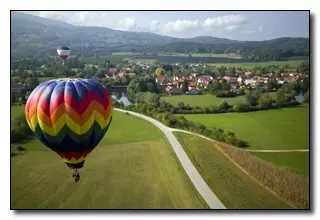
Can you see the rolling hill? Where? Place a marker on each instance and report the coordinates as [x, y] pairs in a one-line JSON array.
[[33, 36]]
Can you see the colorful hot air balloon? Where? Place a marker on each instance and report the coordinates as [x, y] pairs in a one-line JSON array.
[[70, 116], [63, 52]]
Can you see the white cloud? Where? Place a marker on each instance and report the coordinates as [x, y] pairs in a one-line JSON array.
[[227, 20], [128, 23], [180, 25], [227, 23], [231, 27], [252, 31], [154, 25], [83, 15]]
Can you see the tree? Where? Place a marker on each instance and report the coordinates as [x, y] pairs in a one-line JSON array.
[[159, 71], [272, 84], [265, 102], [221, 71], [305, 84], [31, 83], [225, 86], [150, 87], [233, 70], [289, 87], [185, 86], [223, 106], [181, 105], [306, 97], [253, 97]]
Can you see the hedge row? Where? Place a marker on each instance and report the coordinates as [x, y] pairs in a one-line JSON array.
[[170, 120]]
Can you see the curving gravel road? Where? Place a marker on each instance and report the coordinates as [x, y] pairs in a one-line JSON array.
[[204, 190]]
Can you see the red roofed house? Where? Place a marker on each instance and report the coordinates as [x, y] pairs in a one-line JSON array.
[[226, 78], [160, 79], [192, 84], [113, 70], [203, 82], [173, 90], [121, 75], [248, 73]]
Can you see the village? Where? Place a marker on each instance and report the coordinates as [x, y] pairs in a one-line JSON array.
[[198, 81], [172, 84]]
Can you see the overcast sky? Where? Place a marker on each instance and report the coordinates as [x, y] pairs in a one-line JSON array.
[[237, 25]]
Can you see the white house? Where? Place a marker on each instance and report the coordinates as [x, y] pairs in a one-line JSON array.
[[250, 81]]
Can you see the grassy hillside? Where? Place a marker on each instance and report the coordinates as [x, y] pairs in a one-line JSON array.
[[232, 186], [286, 128], [133, 167], [206, 100]]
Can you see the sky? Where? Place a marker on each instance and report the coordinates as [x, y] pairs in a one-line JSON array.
[[236, 25]]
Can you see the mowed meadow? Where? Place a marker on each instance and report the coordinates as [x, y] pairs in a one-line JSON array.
[[286, 128], [133, 167], [277, 129], [232, 186], [206, 100]]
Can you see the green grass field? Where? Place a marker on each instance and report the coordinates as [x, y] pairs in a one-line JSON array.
[[101, 59], [122, 53], [232, 186], [297, 162], [148, 61], [205, 100], [286, 128], [134, 167], [293, 64], [230, 55], [16, 110]]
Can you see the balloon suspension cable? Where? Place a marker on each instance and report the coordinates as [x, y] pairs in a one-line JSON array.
[[75, 172]]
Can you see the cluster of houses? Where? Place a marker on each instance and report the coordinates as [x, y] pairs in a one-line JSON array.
[[173, 85]]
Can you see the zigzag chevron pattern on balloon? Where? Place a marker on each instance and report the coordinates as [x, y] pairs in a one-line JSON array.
[[70, 116]]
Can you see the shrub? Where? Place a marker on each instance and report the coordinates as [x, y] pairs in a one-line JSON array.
[[306, 97], [20, 148], [226, 94]]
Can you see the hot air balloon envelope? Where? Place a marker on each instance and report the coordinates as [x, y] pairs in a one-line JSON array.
[[63, 52], [70, 116]]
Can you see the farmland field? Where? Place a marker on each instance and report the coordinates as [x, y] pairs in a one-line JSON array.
[[101, 59], [206, 100], [133, 167], [218, 61], [230, 55], [286, 128], [232, 186], [16, 110], [297, 162], [293, 64], [122, 53], [149, 61]]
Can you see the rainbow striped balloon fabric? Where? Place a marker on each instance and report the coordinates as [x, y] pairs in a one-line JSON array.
[[70, 116]]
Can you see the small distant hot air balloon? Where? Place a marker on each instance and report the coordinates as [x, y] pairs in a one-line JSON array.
[[70, 116], [63, 52]]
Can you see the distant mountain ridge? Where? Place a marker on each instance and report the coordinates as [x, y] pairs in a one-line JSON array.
[[36, 36]]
